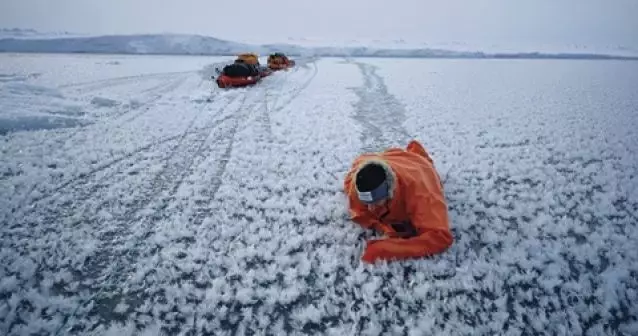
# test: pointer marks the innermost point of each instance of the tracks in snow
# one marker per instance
(97, 240)
(92, 203)
(380, 113)
(118, 120)
(295, 92)
(125, 243)
(101, 84)
(179, 278)
(161, 190)
(167, 82)
(134, 111)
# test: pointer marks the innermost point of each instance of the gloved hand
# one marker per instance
(386, 248)
(403, 230)
(396, 230)
(371, 254)
(380, 227)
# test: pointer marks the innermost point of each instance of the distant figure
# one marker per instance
(399, 193)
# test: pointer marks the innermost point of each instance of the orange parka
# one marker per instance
(416, 196)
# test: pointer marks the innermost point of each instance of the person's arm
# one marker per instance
(428, 214)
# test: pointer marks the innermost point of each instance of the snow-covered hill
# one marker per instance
(183, 44)
(34, 34)
(126, 44)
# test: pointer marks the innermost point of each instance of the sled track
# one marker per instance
(298, 90)
(219, 317)
(264, 118)
(270, 102)
(95, 85)
(41, 220)
(167, 88)
(133, 112)
(126, 243)
(160, 91)
(221, 169)
(203, 212)
(197, 278)
(175, 168)
(272, 98)
(133, 241)
(85, 187)
(163, 90)
(83, 179)
(270, 105)
(380, 113)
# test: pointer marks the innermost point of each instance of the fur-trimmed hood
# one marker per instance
(390, 176)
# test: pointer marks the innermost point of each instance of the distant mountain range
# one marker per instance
(21, 40)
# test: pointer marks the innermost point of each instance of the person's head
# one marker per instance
(374, 183)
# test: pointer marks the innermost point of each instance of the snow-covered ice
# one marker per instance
(168, 205)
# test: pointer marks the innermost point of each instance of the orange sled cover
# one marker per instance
(224, 81)
(281, 66)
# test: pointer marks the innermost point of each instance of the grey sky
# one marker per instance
(586, 22)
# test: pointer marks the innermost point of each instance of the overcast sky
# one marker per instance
(587, 22)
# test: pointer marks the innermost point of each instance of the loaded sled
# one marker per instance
(253, 59)
(245, 71)
(237, 75)
(279, 61)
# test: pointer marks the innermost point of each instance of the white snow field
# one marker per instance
(137, 198)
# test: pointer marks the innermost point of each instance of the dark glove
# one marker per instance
(404, 230)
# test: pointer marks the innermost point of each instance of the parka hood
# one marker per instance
(390, 176)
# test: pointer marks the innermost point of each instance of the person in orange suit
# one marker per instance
(399, 193)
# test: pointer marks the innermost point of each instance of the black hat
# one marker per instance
(371, 183)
